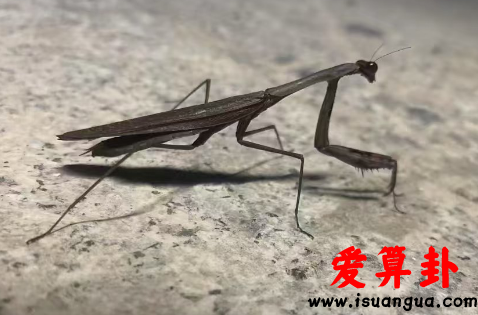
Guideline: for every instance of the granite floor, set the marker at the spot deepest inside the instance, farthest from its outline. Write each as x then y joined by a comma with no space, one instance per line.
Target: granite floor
212,231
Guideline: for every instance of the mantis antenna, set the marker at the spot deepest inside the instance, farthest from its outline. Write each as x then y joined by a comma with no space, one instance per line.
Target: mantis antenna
376,51
391,53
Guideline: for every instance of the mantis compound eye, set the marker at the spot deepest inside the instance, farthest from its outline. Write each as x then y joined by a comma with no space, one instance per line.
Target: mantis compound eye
367,69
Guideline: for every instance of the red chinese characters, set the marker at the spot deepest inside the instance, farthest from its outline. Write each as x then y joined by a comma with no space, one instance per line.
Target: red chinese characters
348,270
393,259
431,269
393,264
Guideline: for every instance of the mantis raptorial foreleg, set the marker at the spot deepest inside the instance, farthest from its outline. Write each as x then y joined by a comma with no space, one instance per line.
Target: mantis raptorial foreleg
360,159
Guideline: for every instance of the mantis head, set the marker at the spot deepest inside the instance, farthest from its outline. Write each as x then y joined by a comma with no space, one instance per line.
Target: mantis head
369,68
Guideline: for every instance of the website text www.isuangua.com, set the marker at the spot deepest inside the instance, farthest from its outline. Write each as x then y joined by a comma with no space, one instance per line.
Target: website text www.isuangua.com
407,303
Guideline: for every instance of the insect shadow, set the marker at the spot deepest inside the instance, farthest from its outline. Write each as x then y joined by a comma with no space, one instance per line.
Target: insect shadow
356,194
167,176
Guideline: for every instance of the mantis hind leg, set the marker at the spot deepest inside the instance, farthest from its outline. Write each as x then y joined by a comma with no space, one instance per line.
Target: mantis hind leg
360,159
200,140
206,82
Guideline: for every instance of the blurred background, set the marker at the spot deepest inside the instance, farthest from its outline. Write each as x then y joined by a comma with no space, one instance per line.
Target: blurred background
212,230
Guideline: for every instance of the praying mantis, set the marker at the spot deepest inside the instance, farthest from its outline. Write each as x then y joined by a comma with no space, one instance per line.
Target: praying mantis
204,120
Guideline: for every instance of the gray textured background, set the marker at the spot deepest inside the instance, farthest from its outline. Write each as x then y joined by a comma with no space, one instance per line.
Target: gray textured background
201,241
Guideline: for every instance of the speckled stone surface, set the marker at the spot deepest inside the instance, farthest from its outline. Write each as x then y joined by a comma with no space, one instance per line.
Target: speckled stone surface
211,231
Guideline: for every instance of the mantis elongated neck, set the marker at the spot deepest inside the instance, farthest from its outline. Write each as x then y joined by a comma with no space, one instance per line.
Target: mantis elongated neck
321,76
